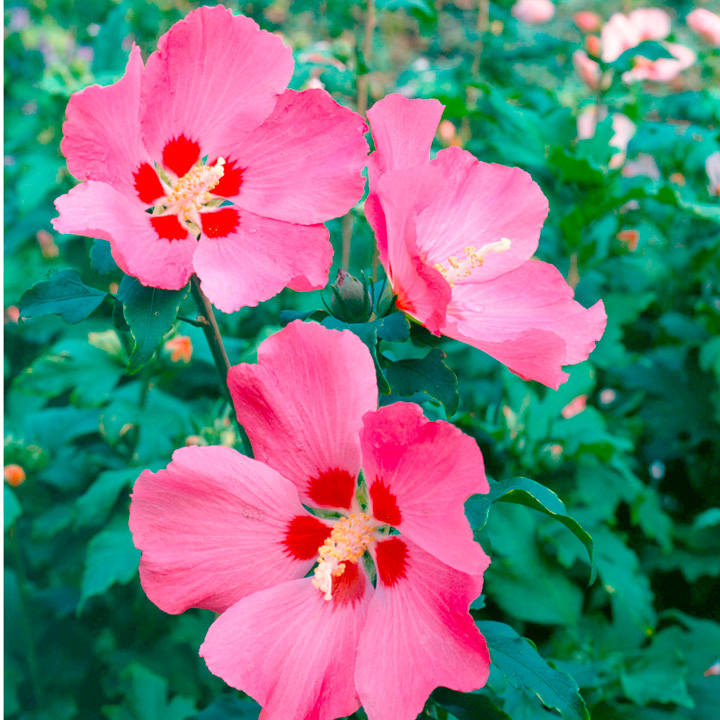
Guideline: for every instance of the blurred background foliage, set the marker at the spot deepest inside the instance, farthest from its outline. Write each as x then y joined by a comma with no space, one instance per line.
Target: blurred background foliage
631,442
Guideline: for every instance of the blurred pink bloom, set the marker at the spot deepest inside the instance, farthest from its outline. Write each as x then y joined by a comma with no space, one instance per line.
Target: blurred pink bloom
712,167
574,407
623,130
201,161
662,69
222,531
456,237
533,12
622,32
706,24
588,70
587,20
642,164
714,669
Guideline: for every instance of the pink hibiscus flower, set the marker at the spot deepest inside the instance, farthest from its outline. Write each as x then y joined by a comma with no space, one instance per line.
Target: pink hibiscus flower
201,161
706,24
456,235
219,530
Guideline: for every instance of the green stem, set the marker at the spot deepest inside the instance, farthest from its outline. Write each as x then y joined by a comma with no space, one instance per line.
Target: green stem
212,334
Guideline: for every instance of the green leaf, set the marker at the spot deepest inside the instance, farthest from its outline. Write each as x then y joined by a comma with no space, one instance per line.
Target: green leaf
428,375
517,659
101,258
231,708
64,294
524,491
11,507
111,558
150,313
469,706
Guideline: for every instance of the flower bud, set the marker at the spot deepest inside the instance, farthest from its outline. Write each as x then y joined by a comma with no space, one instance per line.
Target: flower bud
14,475
351,301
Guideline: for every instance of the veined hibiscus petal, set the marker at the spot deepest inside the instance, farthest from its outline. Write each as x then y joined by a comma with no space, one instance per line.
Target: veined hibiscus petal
101,136
419,475
214,527
304,163
514,317
421,289
481,204
259,258
291,650
418,620
403,130
302,406
98,210
213,74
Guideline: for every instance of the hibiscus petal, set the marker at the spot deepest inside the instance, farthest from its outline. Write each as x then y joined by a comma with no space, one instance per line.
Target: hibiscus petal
259,258
479,204
418,635
291,650
528,320
302,407
213,74
97,210
401,194
419,475
101,136
213,527
304,163
403,131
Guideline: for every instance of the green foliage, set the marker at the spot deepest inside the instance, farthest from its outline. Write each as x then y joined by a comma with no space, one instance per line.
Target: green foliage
65,294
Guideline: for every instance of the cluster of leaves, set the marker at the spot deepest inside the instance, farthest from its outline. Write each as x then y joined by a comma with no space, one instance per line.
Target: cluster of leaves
615,584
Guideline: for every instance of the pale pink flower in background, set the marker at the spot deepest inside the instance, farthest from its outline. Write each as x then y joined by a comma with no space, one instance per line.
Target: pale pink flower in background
588,70
622,32
587,20
623,130
706,24
201,161
662,69
574,407
712,167
533,12
222,531
456,237
641,165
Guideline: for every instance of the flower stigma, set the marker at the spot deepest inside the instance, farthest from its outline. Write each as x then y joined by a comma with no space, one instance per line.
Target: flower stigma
350,537
459,269
191,192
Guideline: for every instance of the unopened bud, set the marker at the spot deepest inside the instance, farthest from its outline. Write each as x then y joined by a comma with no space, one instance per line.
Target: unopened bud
592,45
351,300
14,475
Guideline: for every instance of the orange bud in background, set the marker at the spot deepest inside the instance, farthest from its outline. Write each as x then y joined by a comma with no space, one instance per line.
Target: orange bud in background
677,178
574,407
180,348
587,20
630,238
14,475
47,244
592,45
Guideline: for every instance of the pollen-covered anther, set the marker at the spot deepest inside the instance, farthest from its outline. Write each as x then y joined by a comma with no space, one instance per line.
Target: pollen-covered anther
347,542
192,191
458,269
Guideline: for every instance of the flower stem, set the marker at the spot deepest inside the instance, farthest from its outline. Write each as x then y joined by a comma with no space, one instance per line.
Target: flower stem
212,334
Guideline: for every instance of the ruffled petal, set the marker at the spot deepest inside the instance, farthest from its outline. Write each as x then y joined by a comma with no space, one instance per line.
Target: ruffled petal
101,136
403,131
304,163
481,204
215,526
524,318
419,475
302,406
259,258
291,650
418,635
213,75
97,210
